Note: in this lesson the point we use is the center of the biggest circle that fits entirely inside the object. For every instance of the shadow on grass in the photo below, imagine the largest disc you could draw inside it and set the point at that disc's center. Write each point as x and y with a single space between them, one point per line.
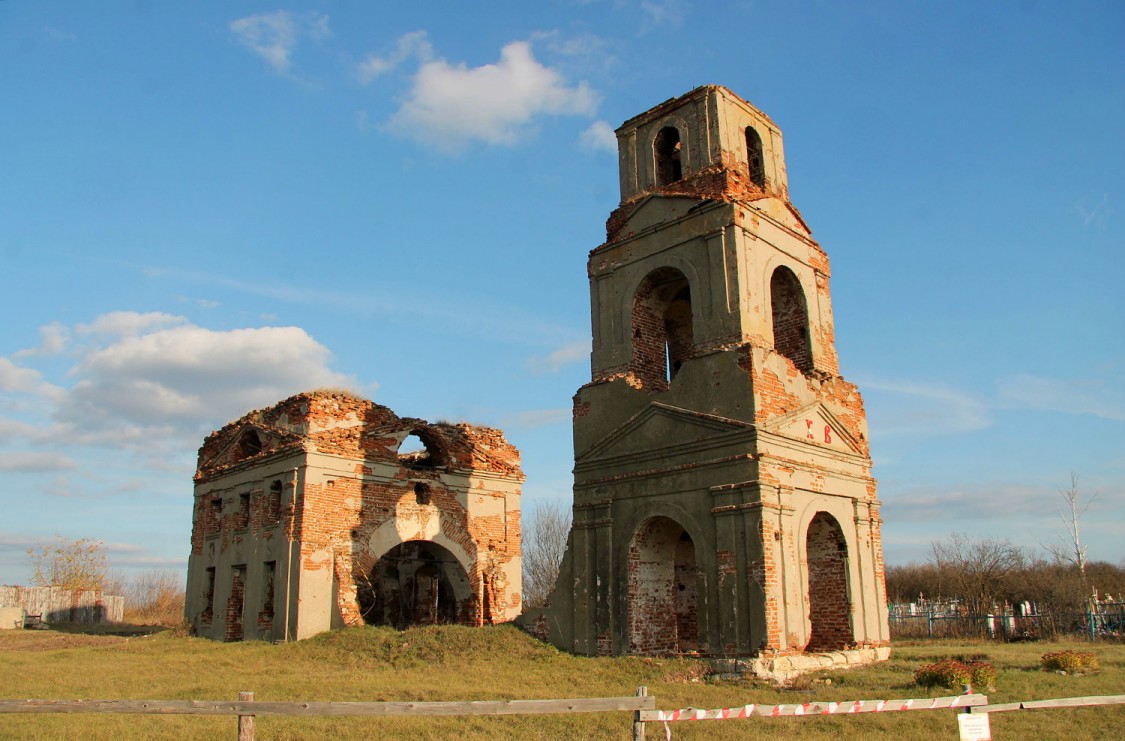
126 630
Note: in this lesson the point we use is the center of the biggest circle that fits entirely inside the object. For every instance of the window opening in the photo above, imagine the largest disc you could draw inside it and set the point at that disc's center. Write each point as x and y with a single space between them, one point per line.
273 504
265 617
668 149
209 611
755 161
249 444
243 519
790 319
215 520
662 328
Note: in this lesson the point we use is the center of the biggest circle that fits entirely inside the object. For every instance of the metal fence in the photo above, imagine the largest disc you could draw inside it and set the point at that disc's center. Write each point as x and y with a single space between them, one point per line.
59 605
1107 624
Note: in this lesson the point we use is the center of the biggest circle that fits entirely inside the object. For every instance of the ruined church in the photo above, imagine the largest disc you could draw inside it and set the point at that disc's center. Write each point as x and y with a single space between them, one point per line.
317 513
723 497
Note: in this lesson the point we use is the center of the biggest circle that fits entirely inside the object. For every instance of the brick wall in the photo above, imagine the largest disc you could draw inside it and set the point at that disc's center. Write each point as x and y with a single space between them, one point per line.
829 608
663 589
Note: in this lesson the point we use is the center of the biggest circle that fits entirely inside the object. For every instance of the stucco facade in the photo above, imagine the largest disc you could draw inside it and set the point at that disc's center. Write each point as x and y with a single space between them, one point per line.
312 515
723 497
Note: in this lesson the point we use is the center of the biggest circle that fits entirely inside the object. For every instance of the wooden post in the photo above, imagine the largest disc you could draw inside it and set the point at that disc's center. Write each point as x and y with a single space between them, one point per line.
245 722
638 724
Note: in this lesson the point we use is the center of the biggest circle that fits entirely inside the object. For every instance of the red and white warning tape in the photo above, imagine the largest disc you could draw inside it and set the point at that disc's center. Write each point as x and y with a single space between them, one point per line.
811 708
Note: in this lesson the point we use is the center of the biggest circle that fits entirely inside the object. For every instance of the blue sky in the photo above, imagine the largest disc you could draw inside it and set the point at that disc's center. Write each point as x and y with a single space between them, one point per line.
207 207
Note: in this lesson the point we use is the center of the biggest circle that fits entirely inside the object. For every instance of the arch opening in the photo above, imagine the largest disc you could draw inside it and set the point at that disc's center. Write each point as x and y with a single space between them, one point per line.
419 450
667 149
662 327
755 160
249 444
416 583
664 587
790 319
826 552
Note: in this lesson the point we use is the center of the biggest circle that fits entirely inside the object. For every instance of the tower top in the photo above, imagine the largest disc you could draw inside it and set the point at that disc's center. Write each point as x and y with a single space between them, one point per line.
708 143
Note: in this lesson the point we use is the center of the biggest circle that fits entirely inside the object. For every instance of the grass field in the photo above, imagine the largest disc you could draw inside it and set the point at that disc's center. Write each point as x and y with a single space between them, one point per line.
458 663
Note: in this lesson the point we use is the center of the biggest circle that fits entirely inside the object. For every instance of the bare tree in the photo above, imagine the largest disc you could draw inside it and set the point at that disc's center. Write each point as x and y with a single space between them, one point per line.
77 565
544 543
980 571
1071 550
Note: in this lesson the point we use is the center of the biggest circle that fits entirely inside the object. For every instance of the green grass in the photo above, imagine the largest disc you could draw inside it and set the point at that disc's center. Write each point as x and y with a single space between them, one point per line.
457 663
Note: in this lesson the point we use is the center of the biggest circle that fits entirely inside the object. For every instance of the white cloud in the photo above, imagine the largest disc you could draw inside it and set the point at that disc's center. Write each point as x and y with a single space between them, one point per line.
183 376
11 429
17 379
599 137
35 462
450 106
901 408
274 36
53 339
128 323
571 352
409 45
660 12
1093 397
157 382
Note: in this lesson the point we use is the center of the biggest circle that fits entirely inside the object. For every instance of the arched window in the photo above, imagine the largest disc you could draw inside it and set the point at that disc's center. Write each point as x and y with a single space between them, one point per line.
662 327
249 444
667 148
790 319
755 161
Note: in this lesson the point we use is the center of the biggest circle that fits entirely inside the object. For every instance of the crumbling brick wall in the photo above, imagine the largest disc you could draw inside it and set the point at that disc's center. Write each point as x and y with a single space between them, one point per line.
462 491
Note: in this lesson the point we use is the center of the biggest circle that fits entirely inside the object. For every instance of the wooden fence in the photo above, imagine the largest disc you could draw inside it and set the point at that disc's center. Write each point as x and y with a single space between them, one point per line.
59 605
642 706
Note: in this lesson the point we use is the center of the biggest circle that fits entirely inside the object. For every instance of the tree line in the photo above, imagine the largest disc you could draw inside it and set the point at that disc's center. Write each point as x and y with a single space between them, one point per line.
984 574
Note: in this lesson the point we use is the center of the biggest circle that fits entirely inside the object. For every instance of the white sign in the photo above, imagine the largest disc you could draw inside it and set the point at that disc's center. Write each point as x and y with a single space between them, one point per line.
973 727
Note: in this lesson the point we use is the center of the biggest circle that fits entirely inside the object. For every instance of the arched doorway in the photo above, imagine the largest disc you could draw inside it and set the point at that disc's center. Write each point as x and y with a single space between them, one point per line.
664 588
826 551
416 583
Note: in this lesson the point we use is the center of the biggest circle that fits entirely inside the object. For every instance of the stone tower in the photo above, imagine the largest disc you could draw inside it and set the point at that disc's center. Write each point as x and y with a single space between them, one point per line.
723 498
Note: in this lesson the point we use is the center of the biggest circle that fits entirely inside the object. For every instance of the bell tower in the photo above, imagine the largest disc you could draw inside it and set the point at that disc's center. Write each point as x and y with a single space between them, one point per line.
723 498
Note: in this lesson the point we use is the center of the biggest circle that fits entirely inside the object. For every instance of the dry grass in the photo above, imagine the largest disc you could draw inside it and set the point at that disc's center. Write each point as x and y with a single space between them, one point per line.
456 663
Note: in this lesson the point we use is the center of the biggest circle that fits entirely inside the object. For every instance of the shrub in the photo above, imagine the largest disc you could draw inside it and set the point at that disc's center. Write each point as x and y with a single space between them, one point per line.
952 673
1069 661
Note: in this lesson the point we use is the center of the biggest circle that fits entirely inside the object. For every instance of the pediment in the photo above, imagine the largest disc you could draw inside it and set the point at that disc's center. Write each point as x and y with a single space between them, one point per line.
661 427
658 209
814 424
238 444
784 213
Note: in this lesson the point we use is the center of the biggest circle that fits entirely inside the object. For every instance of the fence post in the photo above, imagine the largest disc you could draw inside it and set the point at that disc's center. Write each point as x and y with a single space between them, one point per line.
245 722
1090 620
930 622
638 724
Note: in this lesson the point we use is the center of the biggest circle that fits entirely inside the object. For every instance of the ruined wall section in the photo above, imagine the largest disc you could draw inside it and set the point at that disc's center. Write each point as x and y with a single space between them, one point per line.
328 485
